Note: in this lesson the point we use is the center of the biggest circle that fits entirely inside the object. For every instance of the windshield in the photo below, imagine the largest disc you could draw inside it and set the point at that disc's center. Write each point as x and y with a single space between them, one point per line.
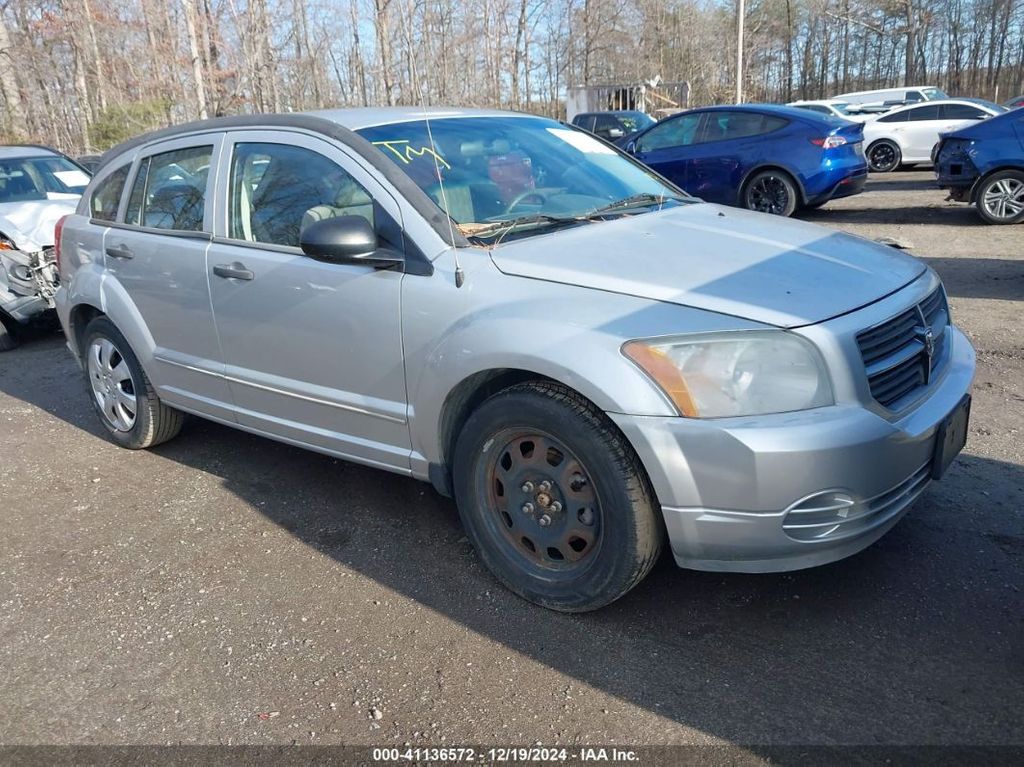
841 107
506 169
635 121
934 94
40 178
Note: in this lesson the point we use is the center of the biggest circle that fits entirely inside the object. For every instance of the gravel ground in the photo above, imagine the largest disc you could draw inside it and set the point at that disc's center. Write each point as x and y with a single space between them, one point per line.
223 588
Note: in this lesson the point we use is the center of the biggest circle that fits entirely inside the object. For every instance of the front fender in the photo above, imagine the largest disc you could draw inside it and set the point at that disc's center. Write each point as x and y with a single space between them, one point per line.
499 322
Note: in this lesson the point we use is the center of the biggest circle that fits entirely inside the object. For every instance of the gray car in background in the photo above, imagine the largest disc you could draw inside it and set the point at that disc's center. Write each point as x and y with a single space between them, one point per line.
588 360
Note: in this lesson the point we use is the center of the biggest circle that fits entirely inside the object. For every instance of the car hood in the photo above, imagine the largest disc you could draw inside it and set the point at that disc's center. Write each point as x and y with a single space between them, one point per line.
30 224
763 268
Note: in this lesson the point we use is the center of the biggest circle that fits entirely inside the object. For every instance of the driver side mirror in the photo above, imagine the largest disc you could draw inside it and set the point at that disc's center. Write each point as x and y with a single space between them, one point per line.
346 240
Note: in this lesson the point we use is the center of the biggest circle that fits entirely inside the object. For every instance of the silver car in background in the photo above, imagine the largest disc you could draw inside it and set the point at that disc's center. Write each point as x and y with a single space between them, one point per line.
588 360
37 187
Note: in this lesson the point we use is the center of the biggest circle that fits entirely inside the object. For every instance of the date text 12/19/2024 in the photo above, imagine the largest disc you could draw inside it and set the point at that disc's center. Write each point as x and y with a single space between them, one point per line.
503 754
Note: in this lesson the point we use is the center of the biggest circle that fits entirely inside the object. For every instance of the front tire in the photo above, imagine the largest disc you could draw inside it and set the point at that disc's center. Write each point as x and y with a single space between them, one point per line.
771 191
1000 198
554 499
125 400
884 156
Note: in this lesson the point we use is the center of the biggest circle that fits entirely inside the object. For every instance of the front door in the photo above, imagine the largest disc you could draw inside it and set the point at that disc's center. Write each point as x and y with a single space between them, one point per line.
313 350
157 253
668 147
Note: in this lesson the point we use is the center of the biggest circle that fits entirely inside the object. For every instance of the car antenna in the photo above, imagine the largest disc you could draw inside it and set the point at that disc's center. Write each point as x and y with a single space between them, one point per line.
460 276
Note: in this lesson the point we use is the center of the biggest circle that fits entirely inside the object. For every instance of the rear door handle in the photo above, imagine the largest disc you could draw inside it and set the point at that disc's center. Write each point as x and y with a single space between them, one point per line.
235 270
122 251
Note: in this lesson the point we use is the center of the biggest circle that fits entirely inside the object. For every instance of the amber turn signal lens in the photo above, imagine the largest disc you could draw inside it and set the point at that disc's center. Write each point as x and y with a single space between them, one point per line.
659 367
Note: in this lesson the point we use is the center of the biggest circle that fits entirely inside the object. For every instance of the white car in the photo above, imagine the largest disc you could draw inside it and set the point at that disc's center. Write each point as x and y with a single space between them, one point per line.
906 135
881 97
37 187
840 109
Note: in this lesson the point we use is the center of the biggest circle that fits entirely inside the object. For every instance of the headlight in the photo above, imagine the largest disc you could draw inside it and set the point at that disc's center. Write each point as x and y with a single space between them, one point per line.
713 375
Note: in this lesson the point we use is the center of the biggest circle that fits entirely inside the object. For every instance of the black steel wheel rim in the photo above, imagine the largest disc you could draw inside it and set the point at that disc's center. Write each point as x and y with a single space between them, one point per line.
542 508
769 194
883 157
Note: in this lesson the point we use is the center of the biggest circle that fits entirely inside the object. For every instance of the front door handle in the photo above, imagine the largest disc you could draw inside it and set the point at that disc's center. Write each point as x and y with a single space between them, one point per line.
122 251
235 270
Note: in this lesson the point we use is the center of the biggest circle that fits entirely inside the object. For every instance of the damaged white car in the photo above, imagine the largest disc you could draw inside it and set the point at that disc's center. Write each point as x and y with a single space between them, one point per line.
37 187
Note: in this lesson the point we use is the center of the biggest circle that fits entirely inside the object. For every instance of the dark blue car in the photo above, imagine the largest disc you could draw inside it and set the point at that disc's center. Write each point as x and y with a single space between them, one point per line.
768 158
983 164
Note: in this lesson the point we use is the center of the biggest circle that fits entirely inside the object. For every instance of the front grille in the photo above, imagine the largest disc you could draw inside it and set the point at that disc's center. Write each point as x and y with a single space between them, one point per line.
831 515
903 354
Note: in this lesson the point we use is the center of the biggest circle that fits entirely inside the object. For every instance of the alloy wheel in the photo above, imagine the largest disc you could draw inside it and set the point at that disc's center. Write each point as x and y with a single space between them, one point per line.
768 194
1004 199
883 157
112 384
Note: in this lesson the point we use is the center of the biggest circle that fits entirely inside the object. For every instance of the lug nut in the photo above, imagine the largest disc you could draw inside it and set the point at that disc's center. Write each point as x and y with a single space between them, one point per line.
545 486
556 506
544 521
527 508
527 487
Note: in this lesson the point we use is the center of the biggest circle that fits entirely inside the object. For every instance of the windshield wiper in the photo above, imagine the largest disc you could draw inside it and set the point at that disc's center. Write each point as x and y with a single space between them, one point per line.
506 226
637 200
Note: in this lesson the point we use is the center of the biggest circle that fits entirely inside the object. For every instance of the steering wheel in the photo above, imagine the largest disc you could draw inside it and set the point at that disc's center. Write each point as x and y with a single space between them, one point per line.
539 195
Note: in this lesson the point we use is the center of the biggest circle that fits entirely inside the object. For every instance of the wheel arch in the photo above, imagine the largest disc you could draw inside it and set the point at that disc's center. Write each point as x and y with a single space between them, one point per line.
794 177
465 397
987 175
78 320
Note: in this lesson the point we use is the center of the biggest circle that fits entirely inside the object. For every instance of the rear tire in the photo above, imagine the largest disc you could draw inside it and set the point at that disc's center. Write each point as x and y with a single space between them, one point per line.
554 499
7 338
771 191
884 156
1000 198
122 395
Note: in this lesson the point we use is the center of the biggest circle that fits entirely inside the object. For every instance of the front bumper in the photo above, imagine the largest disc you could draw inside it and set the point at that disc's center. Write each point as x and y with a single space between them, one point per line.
728 487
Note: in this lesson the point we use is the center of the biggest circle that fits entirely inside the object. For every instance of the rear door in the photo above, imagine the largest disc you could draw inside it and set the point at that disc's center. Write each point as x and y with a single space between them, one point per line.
157 252
668 147
731 142
921 132
313 349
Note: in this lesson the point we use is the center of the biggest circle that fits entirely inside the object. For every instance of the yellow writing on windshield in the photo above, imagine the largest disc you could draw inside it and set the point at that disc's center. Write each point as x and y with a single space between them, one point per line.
406 152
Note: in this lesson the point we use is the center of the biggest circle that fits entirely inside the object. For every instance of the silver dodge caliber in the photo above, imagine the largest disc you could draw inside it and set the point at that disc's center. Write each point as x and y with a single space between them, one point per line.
590 361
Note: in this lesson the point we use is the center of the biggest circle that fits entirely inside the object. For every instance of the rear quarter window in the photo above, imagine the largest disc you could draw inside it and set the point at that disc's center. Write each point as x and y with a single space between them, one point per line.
107 197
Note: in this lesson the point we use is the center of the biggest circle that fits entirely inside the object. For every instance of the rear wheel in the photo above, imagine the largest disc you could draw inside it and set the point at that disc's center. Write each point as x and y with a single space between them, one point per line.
553 498
1000 197
884 156
771 191
7 339
123 397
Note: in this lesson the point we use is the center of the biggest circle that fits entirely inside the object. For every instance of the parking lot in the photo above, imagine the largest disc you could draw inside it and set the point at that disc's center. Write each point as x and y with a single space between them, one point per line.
223 588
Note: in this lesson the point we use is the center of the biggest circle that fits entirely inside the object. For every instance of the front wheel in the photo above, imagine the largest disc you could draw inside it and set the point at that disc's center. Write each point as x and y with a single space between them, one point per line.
554 500
1000 198
884 156
771 191
125 400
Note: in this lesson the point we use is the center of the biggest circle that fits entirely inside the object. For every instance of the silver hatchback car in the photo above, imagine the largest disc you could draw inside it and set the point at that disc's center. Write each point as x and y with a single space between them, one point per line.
588 360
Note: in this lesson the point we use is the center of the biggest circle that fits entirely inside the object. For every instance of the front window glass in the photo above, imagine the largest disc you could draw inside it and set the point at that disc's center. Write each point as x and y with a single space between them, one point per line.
679 131
40 178
277 190
501 169
934 94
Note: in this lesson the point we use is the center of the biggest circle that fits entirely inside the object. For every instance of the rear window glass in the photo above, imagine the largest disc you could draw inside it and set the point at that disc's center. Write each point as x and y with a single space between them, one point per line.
107 196
170 190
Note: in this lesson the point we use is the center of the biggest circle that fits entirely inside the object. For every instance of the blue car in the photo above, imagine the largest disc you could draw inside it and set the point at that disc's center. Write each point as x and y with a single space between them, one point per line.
983 164
767 158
